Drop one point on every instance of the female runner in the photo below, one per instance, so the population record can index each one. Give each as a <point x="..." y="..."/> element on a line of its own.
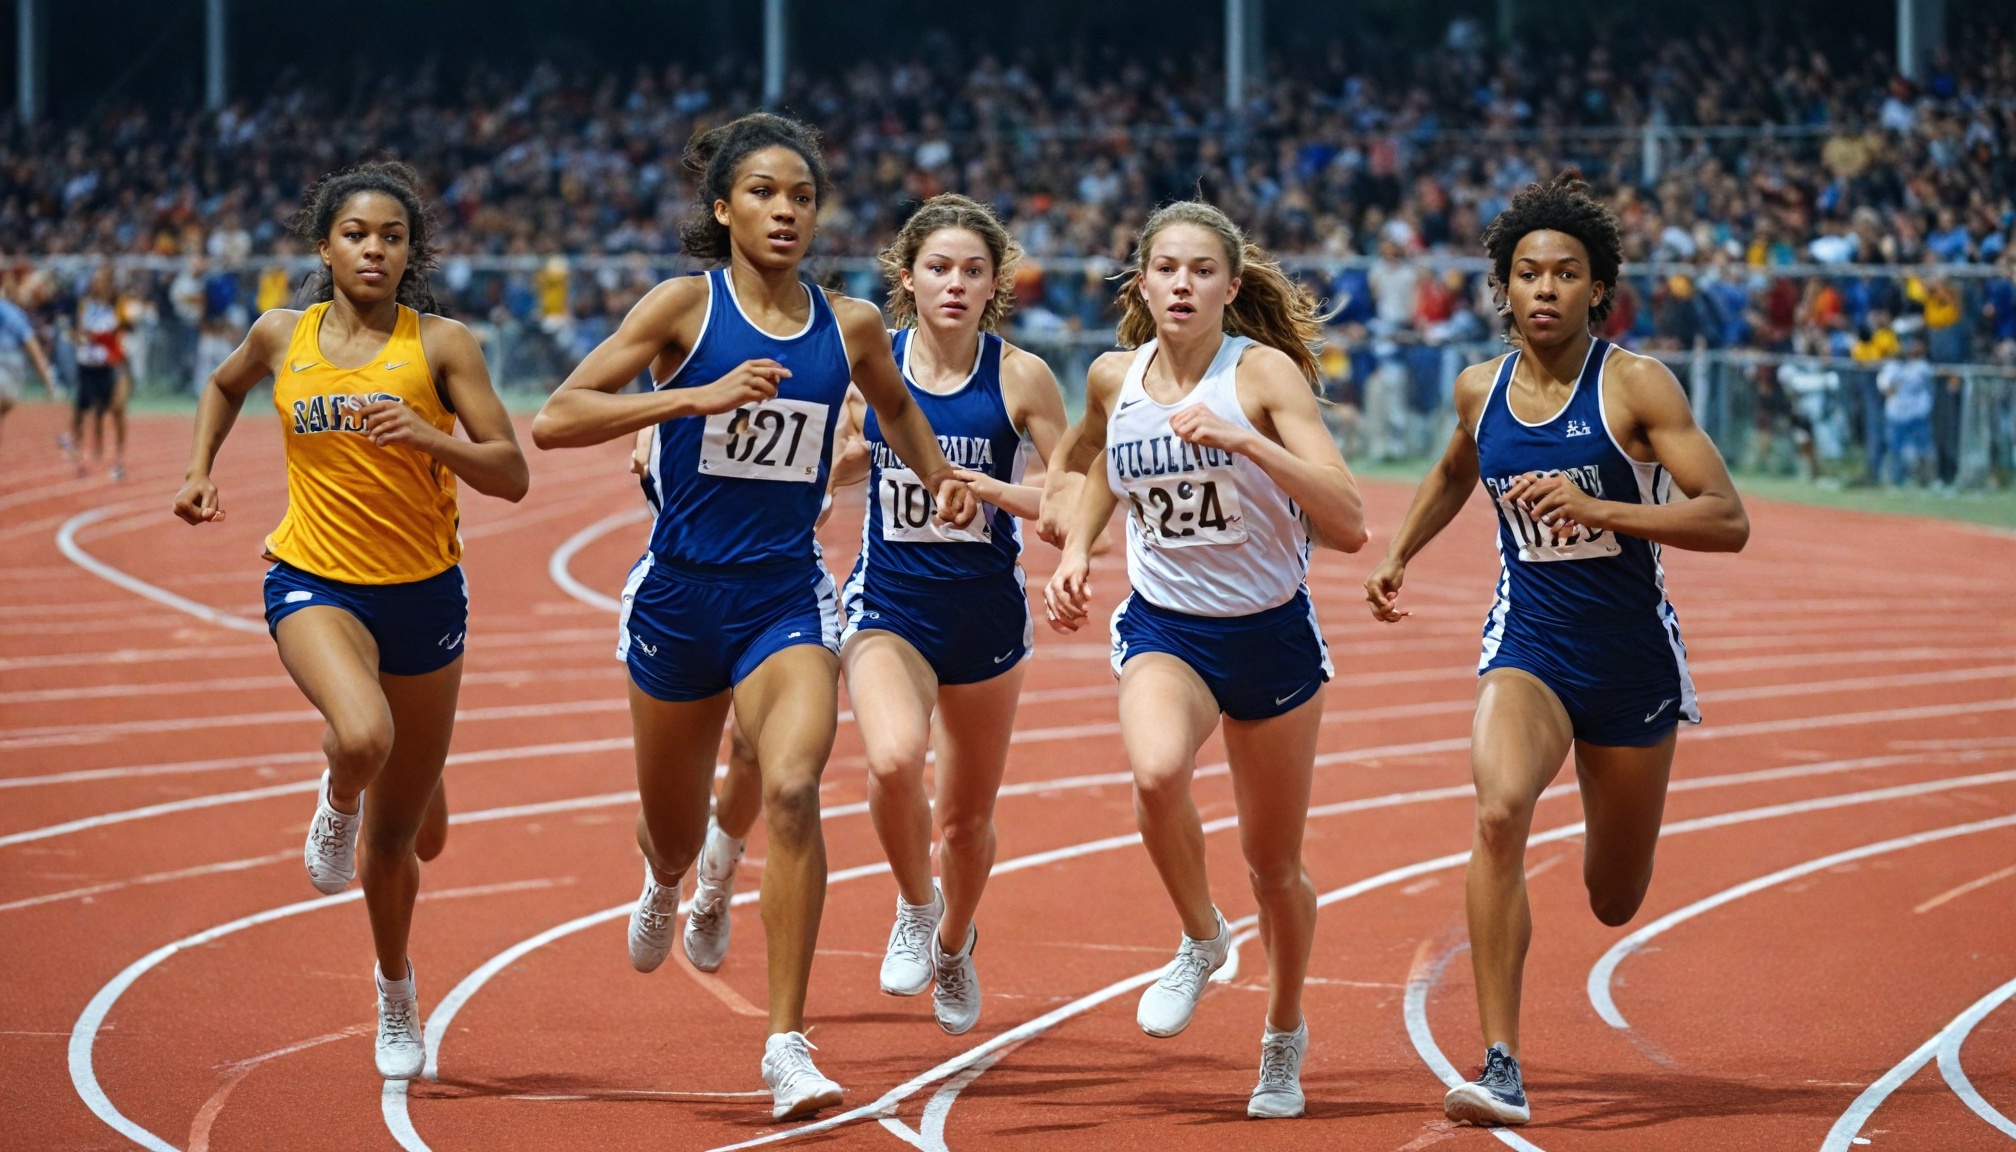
<point x="731" y="597"/>
<point x="1210" y="428"/>
<point x="366" y="596"/>
<point x="938" y="618"/>
<point x="1579" y="444"/>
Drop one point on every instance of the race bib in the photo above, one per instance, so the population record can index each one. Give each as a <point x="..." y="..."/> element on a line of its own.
<point x="1540" y="544"/>
<point x="1187" y="510"/>
<point x="775" y="440"/>
<point x="909" y="513"/>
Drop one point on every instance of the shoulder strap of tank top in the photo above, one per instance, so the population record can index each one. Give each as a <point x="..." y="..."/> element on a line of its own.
<point x="1137" y="371"/>
<point x="305" y="328"/>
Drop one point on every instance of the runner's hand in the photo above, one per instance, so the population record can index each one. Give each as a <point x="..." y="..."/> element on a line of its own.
<point x="1068" y="596"/>
<point x="956" y="503"/>
<point x="197" y="501"/>
<point x="750" y="382"/>
<point x="1382" y="591"/>
<point x="394" y="422"/>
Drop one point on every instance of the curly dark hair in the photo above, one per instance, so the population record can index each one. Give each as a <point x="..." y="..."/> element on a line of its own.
<point x="714" y="155"/>
<point x="387" y="177"/>
<point x="1564" y="204"/>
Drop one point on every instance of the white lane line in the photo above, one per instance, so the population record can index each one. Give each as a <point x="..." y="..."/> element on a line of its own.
<point x="1425" y="747"/>
<point x="1975" y="885"/>
<point x="479" y="816"/>
<point x="249" y="795"/>
<point x="66" y="542"/>
<point x="1421" y="979"/>
<point x="896" y="1095"/>
<point x="84" y="1034"/>
<point x="394" y="1103"/>
<point x="1949" y="1058"/>
<point x="516" y="677"/>
<point x="83" y="733"/>
<point x="152" y="878"/>
<point x="1843" y="1136"/>
<point x="557" y="565"/>
<point x="1604" y="973"/>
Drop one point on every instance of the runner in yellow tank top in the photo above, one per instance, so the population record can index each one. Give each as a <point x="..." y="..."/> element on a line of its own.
<point x="358" y="512"/>
<point x="366" y="598"/>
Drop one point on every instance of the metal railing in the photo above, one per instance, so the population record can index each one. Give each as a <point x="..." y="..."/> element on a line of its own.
<point x="1392" y="393"/>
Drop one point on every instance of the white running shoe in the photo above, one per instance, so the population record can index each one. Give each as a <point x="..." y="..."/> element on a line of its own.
<point x="1279" y="1093"/>
<point x="1167" y="1005"/>
<point x="651" y="923"/>
<point x="955" y="991"/>
<point x="907" y="966"/>
<point x="331" y="850"/>
<point x="1496" y="1097"/>
<point x="797" y="1088"/>
<point x="707" y="923"/>
<point x="401" y="1054"/>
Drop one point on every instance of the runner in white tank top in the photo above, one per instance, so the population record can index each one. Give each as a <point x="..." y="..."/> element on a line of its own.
<point x="1216" y="442"/>
<point x="1209" y="532"/>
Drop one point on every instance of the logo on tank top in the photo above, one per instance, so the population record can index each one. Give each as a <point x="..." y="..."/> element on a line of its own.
<point x="337" y="412"/>
<point x="1578" y="428"/>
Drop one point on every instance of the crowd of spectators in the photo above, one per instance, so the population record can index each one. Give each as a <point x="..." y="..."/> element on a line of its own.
<point x="1726" y="160"/>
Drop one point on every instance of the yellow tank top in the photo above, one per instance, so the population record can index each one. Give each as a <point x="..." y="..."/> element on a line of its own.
<point x="357" y="512"/>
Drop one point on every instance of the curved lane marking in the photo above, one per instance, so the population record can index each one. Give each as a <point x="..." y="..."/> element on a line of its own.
<point x="399" y="1122"/>
<point x="84" y="1034"/>
<point x="1604" y="974"/>
<point x="66" y="542"/>
<point x="1418" y="1029"/>
<point x="558" y="565"/>
<point x="1949" y="1058"/>
<point x="1843" y="1136"/>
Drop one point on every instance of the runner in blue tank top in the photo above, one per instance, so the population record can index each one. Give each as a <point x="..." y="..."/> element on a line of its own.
<point x="936" y="618"/>
<point x="731" y="602"/>
<point x="1579" y="445"/>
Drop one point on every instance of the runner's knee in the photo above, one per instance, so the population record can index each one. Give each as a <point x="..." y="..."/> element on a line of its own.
<point x="966" y="833"/>
<point x="900" y="768"/>
<point x="791" y="807"/>
<point x="1503" y="822"/>
<point x="1162" y="785"/>
<point x="358" y="745"/>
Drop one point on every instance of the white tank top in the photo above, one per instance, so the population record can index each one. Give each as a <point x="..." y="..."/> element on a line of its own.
<point x="1208" y="532"/>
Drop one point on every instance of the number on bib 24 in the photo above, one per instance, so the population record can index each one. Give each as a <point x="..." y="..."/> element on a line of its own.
<point x="1182" y="512"/>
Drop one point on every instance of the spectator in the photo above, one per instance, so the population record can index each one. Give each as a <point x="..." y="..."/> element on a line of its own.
<point x="1907" y="386"/>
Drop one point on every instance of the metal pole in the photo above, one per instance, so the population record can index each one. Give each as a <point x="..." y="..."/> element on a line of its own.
<point x="1907" y="39"/>
<point x="1235" y="55"/>
<point x="1505" y="22"/>
<point x="28" y="61"/>
<point x="775" y="47"/>
<point x="215" y="77"/>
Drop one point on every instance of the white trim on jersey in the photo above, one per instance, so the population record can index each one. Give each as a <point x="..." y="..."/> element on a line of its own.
<point x="638" y="572"/>
<point x="1501" y="606"/>
<point x="829" y="608"/>
<point x="1322" y="645"/>
<point x="1572" y="392"/>
<point x="1118" y="654"/>
<point x="812" y="296"/>
<point x="706" y="318"/>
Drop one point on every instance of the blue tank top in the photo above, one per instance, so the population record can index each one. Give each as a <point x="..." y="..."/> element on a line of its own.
<point x="1598" y="579"/>
<point x="900" y="536"/>
<point x="743" y="487"/>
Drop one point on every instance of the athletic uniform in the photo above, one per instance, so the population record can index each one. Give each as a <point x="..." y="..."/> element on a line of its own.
<point x="100" y="352"/>
<point x="16" y="330"/>
<point x="956" y="594"/>
<point x="1589" y="617"/>
<point x="370" y="530"/>
<point x="1216" y="552"/>
<point x="733" y="574"/>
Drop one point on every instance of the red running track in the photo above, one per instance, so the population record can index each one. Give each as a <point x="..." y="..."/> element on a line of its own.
<point x="1858" y="675"/>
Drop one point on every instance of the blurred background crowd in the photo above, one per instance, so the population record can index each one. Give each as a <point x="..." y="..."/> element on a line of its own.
<point x="1825" y="251"/>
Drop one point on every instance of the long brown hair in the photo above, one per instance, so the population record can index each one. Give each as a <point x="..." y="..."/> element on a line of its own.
<point x="1270" y="309"/>
<point x="940" y="212"/>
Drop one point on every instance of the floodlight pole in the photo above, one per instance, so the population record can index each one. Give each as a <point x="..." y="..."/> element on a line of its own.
<point x="1921" y="31"/>
<point x="776" y="48"/>
<point x="29" y="60"/>
<point x="215" y="77"/>
<point x="1243" y="53"/>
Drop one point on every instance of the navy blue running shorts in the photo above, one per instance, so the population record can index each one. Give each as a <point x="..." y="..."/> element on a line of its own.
<point x="690" y="632"/>
<point x="1257" y="666"/>
<point x="419" y="626"/>
<point x="967" y="630"/>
